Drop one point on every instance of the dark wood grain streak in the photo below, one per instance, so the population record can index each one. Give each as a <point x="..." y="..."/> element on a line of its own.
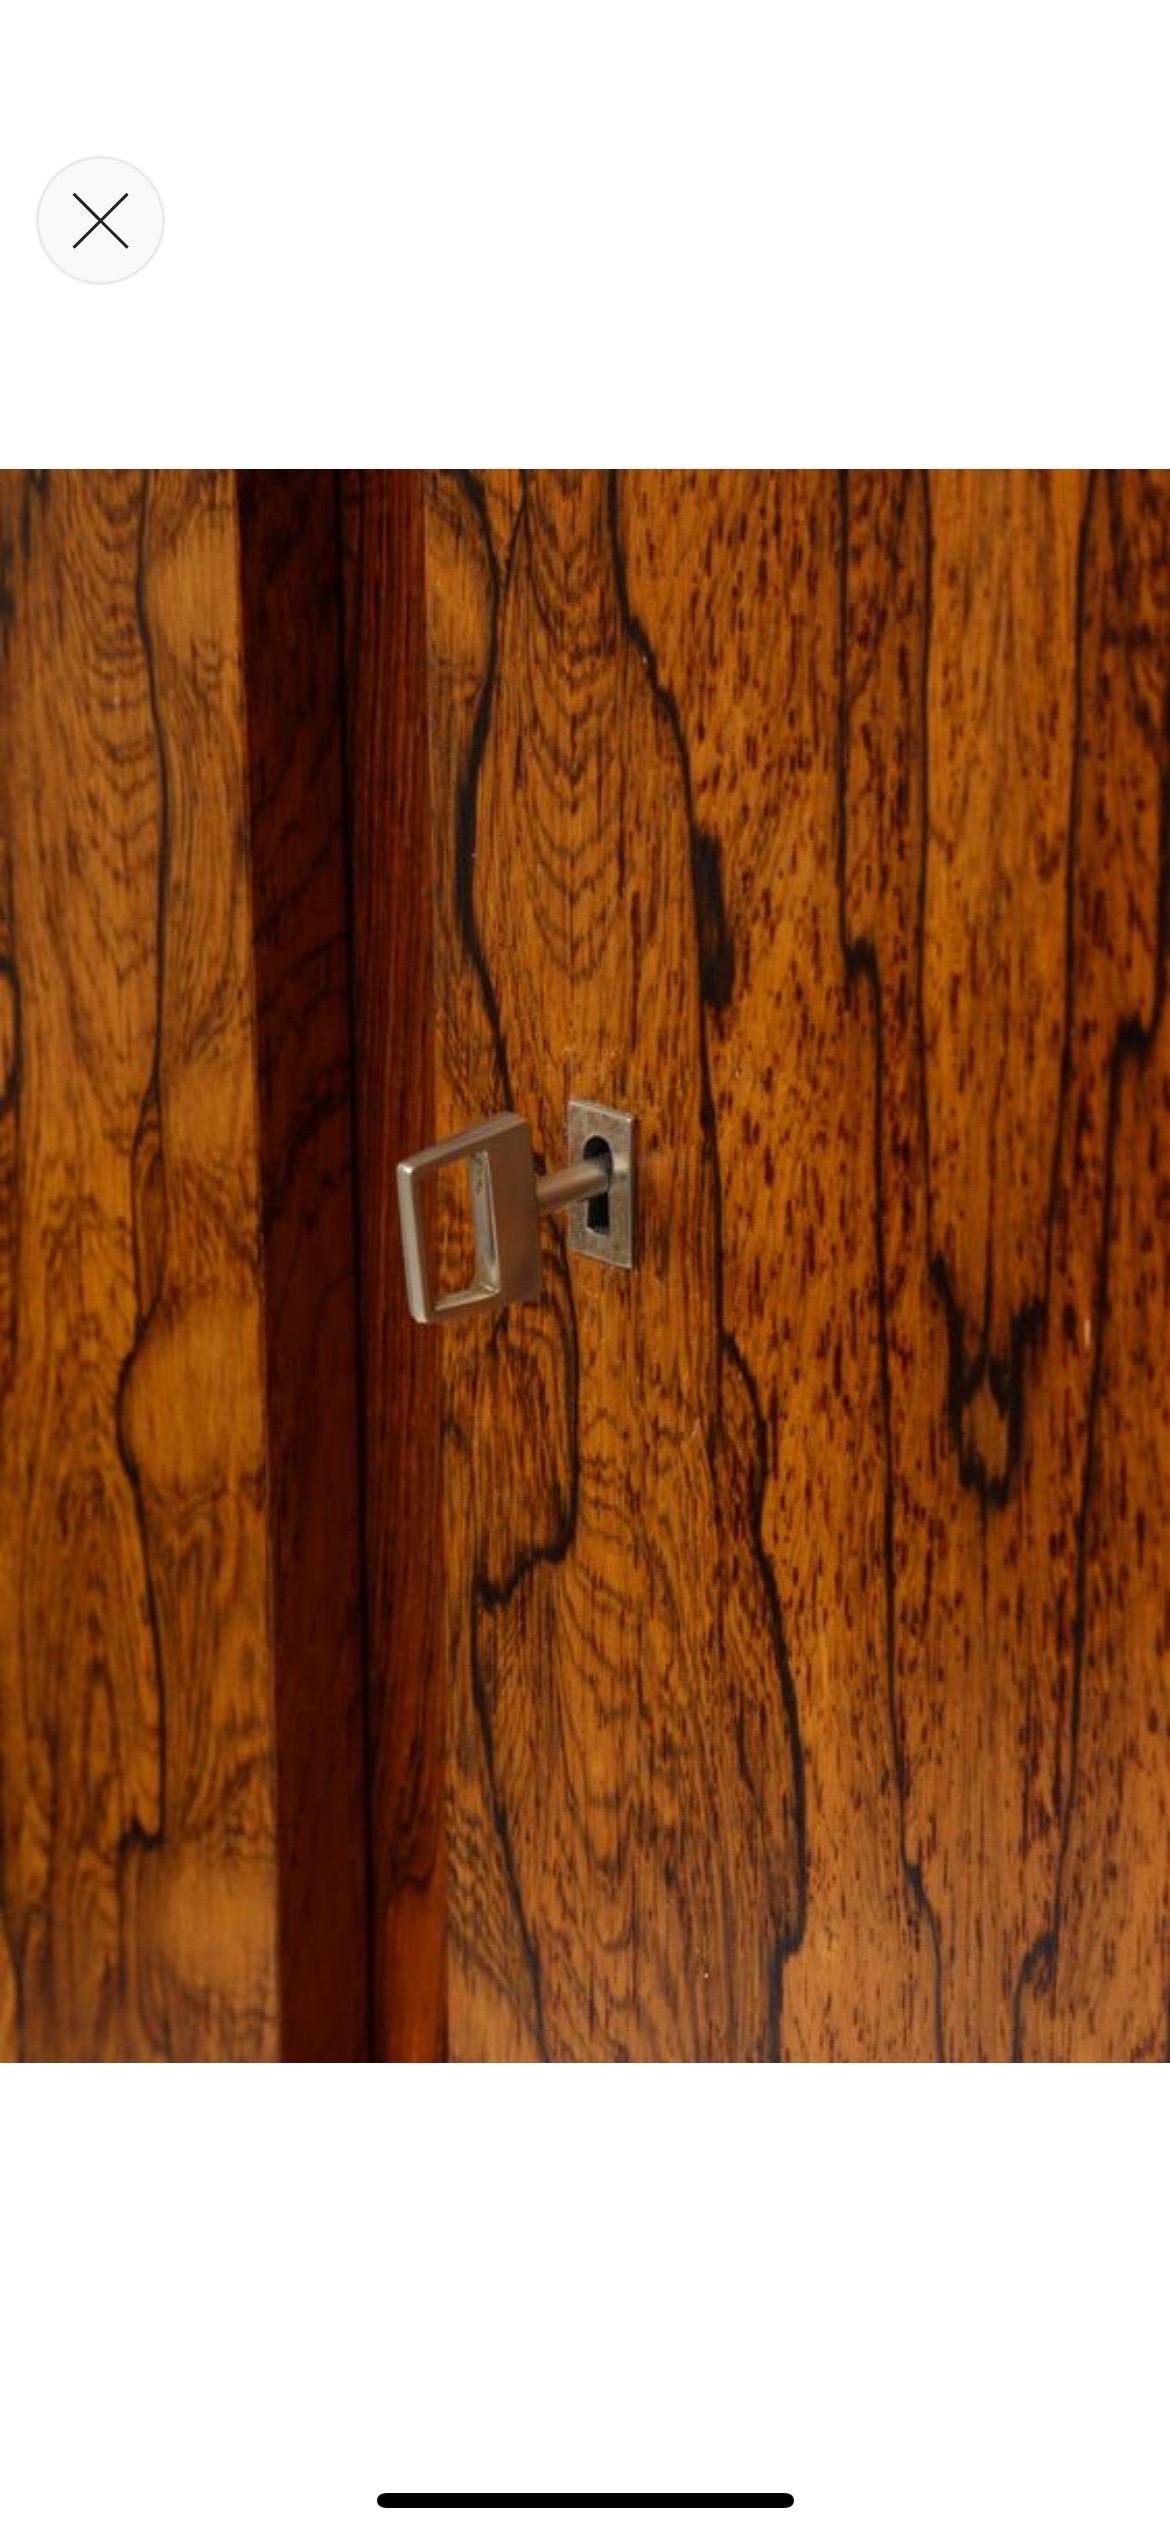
<point x="292" y="626"/>
<point x="825" y="822"/>
<point x="405" y="1513"/>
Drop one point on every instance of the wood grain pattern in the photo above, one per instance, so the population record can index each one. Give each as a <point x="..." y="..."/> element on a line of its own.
<point x="290" y="554"/>
<point x="138" y="1892"/>
<point x="394" y="1113"/>
<point x="808" y="1597"/>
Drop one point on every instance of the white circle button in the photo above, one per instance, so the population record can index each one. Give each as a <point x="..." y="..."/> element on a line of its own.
<point x="100" y="220"/>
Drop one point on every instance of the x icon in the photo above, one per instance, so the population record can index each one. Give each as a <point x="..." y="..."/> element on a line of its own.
<point x="99" y="220"/>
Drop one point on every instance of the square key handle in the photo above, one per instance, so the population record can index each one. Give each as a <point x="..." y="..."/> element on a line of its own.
<point x="504" y="1213"/>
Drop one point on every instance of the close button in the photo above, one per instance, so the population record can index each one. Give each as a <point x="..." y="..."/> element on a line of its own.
<point x="100" y="220"/>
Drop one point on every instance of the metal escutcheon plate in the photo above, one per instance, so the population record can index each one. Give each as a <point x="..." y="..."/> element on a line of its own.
<point x="605" y="1227"/>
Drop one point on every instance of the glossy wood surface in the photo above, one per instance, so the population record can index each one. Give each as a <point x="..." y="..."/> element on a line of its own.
<point x="138" y="1892"/>
<point x="291" y="586"/>
<point x="808" y="1594"/>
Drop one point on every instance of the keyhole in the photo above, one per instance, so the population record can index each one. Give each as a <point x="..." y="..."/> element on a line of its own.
<point x="597" y="1207"/>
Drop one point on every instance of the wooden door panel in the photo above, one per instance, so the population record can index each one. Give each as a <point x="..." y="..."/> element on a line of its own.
<point x="138" y="1817"/>
<point x="182" y="1847"/>
<point x="806" y="1594"/>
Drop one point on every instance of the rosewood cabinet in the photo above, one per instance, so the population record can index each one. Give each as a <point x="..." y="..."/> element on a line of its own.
<point x="764" y="1653"/>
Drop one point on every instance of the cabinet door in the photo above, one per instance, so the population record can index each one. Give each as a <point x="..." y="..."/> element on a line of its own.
<point x="806" y="1591"/>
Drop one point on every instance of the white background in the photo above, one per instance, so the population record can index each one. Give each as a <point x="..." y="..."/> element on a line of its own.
<point x="400" y="235"/>
<point x="923" y="2298"/>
